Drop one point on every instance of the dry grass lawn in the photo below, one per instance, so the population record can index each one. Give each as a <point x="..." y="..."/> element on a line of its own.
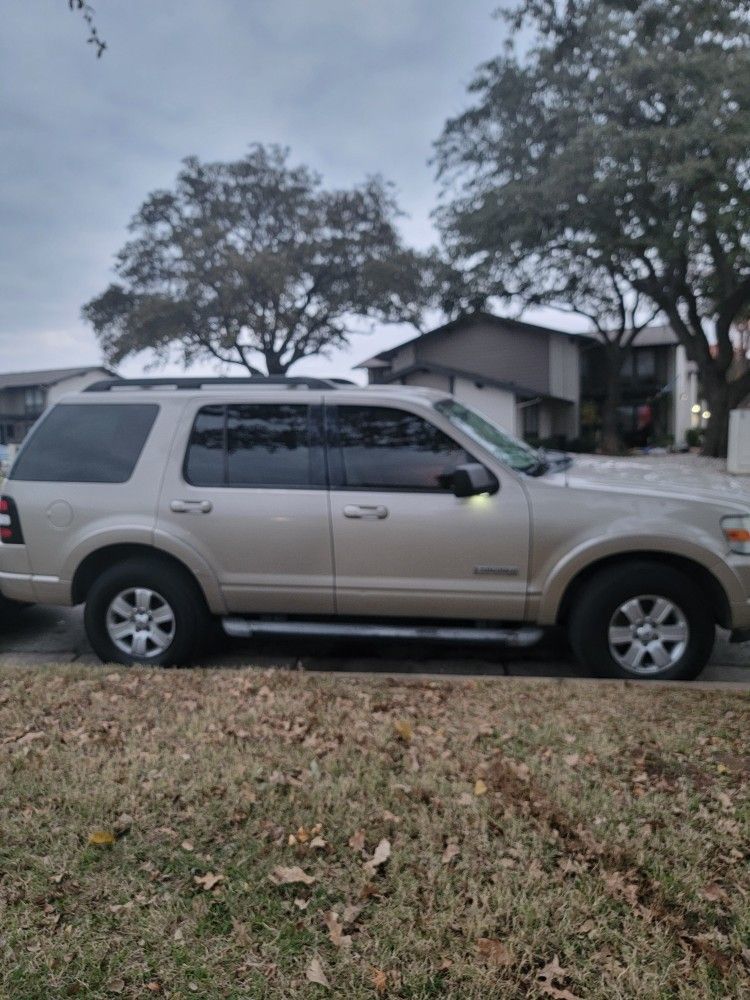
<point x="281" y="835"/>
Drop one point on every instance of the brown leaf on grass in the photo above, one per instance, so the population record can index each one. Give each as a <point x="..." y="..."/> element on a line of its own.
<point x="451" y="851"/>
<point x="404" y="730"/>
<point x="209" y="881"/>
<point x="315" y="974"/>
<point x="357" y="841"/>
<point x="350" y="914"/>
<point x="379" y="980"/>
<point x="381" y="855"/>
<point x="480" y="788"/>
<point x="547" y="977"/>
<point x="101" y="838"/>
<point x="123" y="825"/>
<point x="494" y="952"/>
<point x="572" y="759"/>
<point x="336" y="930"/>
<point x="714" y="893"/>
<point x="318" y="843"/>
<point x="288" y="876"/>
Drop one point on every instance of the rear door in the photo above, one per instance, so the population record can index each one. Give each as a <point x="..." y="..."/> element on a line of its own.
<point x="404" y="544"/>
<point x="246" y="487"/>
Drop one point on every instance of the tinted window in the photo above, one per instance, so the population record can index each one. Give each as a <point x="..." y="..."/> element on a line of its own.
<point x="205" y="465"/>
<point x="257" y="444"/>
<point x="80" y="443"/>
<point x="383" y="448"/>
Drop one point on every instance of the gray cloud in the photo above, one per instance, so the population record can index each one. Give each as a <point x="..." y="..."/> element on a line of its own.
<point x="352" y="86"/>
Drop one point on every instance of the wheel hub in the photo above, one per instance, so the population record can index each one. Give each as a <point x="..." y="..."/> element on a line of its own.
<point x="140" y="623"/>
<point x="648" y="634"/>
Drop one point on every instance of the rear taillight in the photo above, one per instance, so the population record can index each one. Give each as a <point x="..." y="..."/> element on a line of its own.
<point x="10" y="526"/>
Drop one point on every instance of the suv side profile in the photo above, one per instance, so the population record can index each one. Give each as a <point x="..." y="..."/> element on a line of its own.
<point x="309" y="506"/>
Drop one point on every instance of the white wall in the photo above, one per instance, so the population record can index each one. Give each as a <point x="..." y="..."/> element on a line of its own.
<point x="685" y="385"/>
<point x="498" y="405"/>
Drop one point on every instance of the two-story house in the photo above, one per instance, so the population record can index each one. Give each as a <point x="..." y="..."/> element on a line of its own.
<point x="25" y="395"/>
<point x="545" y="384"/>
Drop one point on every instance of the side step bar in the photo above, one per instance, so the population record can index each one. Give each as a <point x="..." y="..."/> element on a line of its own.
<point x="243" y="628"/>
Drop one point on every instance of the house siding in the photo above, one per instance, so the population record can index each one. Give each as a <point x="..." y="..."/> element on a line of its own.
<point x="501" y="354"/>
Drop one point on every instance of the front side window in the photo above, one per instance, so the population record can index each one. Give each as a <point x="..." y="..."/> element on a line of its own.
<point x="253" y="444"/>
<point x="86" y="443"/>
<point x="388" y="449"/>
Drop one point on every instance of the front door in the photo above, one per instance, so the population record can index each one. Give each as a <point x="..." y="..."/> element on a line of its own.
<point x="247" y="489"/>
<point x="404" y="545"/>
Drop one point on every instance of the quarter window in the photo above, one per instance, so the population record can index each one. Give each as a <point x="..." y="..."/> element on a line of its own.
<point x="86" y="443"/>
<point x="384" y="448"/>
<point x="261" y="444"/>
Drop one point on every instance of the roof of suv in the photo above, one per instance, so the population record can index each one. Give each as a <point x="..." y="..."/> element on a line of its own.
<point x="256" y="387"/>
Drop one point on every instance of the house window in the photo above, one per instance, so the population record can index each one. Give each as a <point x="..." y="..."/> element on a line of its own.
<point x="645" y="359"/>
<point x="33" y="399"/>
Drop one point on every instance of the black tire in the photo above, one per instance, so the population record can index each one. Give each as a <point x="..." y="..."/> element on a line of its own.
<point x="191" y="626"/>
<point x="595" y="607"/>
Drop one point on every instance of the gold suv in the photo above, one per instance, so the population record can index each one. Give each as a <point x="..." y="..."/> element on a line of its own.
<point x="311" y="507"/>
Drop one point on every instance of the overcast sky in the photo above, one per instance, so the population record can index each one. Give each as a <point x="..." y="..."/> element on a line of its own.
<point x="352" y="86"/>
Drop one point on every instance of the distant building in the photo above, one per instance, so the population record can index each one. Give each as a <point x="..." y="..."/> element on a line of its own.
<point x="545" y="384"/>
<point x="25" y="395"/>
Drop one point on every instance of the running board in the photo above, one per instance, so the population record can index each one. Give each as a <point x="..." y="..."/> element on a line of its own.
<point x="244" y="628"/>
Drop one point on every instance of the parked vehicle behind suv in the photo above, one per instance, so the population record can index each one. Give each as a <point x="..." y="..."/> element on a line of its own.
<point x="312" y="507"/>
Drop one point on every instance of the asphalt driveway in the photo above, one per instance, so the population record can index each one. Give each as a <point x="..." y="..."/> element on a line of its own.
<point x="42" y="634"/>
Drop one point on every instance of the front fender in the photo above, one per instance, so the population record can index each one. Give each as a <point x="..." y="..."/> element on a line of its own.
<point x="589" y="553"/>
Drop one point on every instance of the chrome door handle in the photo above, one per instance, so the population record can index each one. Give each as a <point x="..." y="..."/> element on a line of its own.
<point x="191" y="506"/>
<point x="371" y="512"/>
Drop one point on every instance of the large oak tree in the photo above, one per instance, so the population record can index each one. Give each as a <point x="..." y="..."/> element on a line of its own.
<point x="620" y="135"/>
<point x="254" y="263"/>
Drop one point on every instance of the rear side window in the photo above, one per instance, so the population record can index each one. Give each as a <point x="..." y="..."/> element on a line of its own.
<point x="254" y="444"/>
<point x="86" y="443"/>
<point x="384" y="448"/>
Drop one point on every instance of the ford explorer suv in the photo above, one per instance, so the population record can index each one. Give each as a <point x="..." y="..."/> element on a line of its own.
<point x="310" y="507"/>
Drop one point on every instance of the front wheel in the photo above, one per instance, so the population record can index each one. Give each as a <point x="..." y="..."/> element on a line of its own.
<point x="644" y="621"/>
<point x="145" y="612"/>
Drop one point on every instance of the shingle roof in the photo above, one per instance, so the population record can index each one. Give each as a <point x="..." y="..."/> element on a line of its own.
<point x="47" y="376"/>
<point x="470" y="318"/>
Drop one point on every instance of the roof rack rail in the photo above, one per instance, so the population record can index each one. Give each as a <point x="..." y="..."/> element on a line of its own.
<point x="198" y="382"/>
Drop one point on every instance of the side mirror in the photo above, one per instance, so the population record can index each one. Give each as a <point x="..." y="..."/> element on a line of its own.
<point x="471" y="479"/>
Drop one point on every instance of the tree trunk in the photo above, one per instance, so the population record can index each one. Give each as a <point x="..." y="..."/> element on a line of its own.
<point x="610" y="443"/>
<point x="274" y="365"/>
<point x="719" y="403"/>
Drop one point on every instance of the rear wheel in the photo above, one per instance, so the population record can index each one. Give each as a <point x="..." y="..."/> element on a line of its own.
<point x="644" y="621"/>
<point x="144" y="612"/>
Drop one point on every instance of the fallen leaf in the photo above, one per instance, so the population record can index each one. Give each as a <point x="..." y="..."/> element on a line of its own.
<point x="381" y="855"/>
<point x="451" y="851"/>
<point x="350" y="914"/>
<point x="317" y="843"/>
<point x="315" y="973"/>
<point x="209" y="881"/>
<point x="404" y="730"/>
<point x="357" y="841"/>
<point x="379" y="980"/>
<point x="714" y="893"/>
<point x="480" y="788"/>
<point x="572" y="759"/>
<point x="123" y="825"/>
<point x="494" y="952"/>
<point x="186" y="845"/>
<point x="287" y="876"/>
<point x="102" y="838"/>
<point x="336" y="930"/>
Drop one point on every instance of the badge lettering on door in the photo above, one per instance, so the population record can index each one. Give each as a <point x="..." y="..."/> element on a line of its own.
<point x="496" y="571"/>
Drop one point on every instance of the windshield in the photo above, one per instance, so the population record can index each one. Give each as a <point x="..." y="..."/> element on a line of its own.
<point x="504" y="446"/>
